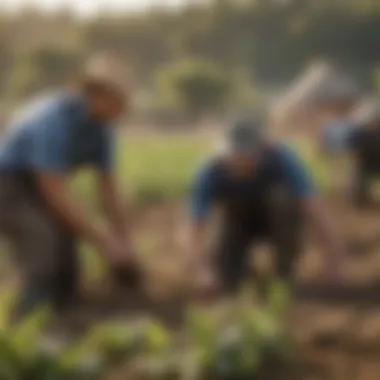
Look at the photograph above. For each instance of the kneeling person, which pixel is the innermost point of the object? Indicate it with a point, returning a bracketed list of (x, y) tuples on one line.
[(262, 191)]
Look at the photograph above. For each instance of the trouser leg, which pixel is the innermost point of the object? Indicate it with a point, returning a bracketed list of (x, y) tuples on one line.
[(36, 248), (361, 186), (286, 235), (68, 272), (231, 258), (42, 248), (49, 273)]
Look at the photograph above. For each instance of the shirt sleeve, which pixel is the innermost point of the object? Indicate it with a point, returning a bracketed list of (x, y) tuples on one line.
[(296, 175), (49, 143), (106, 156), (336, 137), (201, 197)]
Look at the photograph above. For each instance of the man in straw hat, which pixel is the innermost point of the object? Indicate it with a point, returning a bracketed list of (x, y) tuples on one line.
[(51, 138), (263, 191)]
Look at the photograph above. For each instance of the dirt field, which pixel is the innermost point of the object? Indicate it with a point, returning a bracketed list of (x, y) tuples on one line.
[(337, 327)]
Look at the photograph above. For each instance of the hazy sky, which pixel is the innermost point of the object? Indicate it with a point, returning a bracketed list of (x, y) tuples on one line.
[(86, 7)]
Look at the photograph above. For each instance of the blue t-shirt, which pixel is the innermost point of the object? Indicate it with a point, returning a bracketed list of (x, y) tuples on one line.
[(296, 178), (57, 134)]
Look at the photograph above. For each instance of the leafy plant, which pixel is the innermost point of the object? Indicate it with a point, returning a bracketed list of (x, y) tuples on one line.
[(235, 340)]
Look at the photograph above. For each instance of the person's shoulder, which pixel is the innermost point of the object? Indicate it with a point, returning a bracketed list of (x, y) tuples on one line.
[(62, 103), (338, 133), (338, 127), (282, 152), (71, 103), (209, 167), (294, 170), (284, 158), (40, 107)]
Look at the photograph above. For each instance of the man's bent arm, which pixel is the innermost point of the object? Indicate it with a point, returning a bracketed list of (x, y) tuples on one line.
[(54, 192), (111, 199), (196, 241), (302, 187), (201, 201), (326, 228)]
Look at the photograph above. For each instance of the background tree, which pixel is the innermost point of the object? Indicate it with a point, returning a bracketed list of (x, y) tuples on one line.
[(200, 86), (270, 40)]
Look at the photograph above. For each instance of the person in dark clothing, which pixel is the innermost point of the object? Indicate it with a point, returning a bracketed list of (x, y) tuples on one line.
[(263, 192), (359, 136), (50, 139)]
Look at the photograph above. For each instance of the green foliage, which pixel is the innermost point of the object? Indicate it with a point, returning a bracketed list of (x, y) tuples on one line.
[(239, 340), (152, 168), (270, 40), (234, 340), (40, 69), (160, 168), (201, 86), (23, 80)]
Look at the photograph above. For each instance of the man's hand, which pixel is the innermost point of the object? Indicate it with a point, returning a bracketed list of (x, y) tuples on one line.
[(111, 248), (120, 255), (129, 275)]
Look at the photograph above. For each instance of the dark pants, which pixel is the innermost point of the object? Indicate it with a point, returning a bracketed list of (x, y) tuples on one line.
[(362, 184), (43, 248), (280, 226), (366, 154)]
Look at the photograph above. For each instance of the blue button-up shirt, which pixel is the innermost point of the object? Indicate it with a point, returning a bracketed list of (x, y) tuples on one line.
[(57, 134)]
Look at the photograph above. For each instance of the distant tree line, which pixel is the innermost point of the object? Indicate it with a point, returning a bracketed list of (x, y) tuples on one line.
[(198, 59)]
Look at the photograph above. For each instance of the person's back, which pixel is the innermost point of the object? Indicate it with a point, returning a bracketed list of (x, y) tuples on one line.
[(14, 144), (56, 132), (246, 200)]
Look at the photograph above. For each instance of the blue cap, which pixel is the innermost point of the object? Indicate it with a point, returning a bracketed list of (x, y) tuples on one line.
[(244, 136)]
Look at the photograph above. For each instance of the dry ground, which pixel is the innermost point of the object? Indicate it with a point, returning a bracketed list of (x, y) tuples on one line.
[(338, 328)]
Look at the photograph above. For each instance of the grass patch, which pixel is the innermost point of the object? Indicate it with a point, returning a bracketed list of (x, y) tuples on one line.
[(153, 168), (158, 168)]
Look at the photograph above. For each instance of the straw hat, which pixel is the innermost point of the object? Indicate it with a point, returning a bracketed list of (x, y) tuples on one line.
[(108, 69)]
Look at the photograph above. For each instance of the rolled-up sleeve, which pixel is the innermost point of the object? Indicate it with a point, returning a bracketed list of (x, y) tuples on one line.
[(201, 197), (107, 154), (297, 177)]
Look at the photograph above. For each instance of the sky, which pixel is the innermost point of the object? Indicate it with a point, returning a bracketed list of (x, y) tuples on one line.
[(88, 7)]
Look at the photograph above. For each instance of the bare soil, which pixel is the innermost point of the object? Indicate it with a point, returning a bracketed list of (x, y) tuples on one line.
[(336, 326)]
